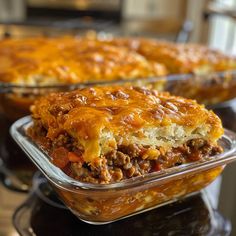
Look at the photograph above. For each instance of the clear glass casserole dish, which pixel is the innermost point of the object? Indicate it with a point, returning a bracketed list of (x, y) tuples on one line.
[(15, 101), (104, 203)]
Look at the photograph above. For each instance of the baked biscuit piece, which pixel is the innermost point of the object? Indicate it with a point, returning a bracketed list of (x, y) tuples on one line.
[(106, 134)]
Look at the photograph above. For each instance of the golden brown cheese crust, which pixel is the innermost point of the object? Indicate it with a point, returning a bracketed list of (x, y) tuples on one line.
[(40, 61), (122, 113), (43, 61), (179, 58)]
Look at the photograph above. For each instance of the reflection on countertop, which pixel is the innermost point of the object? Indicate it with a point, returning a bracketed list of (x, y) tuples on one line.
[(190, 216)]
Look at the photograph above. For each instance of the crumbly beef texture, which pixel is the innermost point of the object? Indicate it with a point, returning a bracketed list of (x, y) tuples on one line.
[(131, 161), (122, 163)]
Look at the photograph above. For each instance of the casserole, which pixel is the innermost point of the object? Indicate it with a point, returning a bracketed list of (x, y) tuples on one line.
[(111, 133), (42, 61), (15, 101), (99, 204), (63, 60), (107, 137)]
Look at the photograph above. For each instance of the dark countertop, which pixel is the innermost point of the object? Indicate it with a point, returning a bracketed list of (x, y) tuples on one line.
[(227, 199)]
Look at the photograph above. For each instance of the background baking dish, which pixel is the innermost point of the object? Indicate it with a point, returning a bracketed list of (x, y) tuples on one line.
[(104, 203)]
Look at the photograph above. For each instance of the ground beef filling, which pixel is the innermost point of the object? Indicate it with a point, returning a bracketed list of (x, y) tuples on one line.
[(133, 160), (123, 163)]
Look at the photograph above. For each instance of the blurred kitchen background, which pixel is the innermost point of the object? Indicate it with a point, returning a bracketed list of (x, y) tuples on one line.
[(203, 21)]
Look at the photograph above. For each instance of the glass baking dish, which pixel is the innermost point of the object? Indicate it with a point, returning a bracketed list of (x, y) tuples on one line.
[(15, 101), (104, 203)]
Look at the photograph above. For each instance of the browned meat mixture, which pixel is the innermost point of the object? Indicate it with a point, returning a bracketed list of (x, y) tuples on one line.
[(123, 163)]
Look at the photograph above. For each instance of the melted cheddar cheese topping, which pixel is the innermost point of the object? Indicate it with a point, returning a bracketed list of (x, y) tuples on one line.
[(40, 61), (48, 61), (179, 58), (101, 118)]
